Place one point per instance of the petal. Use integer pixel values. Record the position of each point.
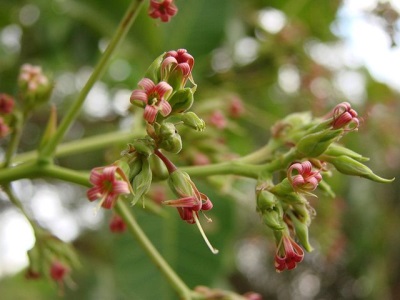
(139, 95)
(165, 108)
(183, 202)
(307, 167)
(185, 68)
(96, 177)
(150, 113)
(109, 173)
(147, 84)
(120, 187)
(109, 201)
(163, 88)
(94, 193)
(297, 180)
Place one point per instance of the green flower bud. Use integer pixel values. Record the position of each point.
(301, 231)
(338, 150)
(349, 166)
(189, 119)
(144, 147)
(153, 72)
(181, 100)
(168, 138)
(158, 168)
(34, 87)
(270, 209)
(180, 183)
(285, 192)
(313, 145)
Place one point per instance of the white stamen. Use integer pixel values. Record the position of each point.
(98, 206)
(213, 250)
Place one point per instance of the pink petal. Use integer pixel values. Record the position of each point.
(147, 84)
(163, 88)
(94, 193)
(139, 95)
(150, 113)
(120, 187)
(165, 108)
(307, 167)
(183, 202)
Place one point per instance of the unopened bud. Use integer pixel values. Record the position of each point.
(338, 150)
(35, 87)
(301, 232)
(181, 101)
(180, 183)
(169, 138)
(189, 119)
(313, 145)
(349, 166)
(270, 209)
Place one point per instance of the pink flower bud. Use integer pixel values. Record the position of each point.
(117, 225)
(164, 9)
(344, 115)
(236, 108)
(218, 120)
(58, 271)
(6, 104)
(306, 180)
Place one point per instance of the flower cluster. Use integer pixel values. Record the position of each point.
(51, 258)
(35, 87)
(313, 149)
(163, 95)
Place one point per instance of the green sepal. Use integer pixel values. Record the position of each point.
(338, 150)
(181, 100)
(270, 209)
(189, 119)
(169, 138)
(158, 168)
(144, 147)
(315, 144)
(301, 231)
(153, 72)
(142, 182)
(180, 183)
(349, 166)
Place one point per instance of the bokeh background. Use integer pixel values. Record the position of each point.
(276, 57)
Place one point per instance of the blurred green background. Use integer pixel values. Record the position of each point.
(277, 57)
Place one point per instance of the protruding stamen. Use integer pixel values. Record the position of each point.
(213, 250)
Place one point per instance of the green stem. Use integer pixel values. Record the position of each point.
(225, 168)
(15, 138)
(14, 200)
(53, 171)
(261, 155)
(175, 281)
(74, 110)
(84, 145)
(168, 164)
